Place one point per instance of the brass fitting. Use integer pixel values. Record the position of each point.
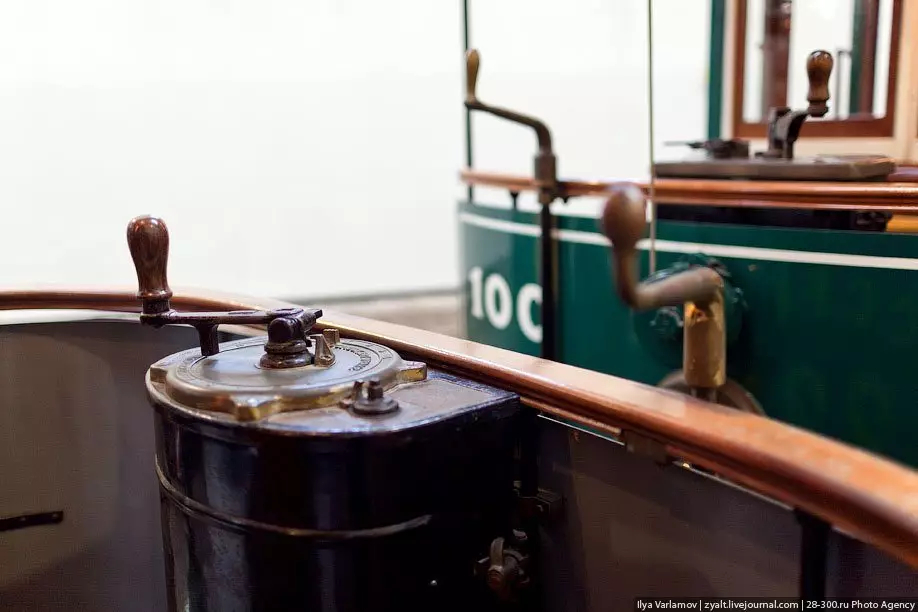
(701, 290)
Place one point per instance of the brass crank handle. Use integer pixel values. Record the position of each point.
(472, 64)
(148, 241)
(623, 223)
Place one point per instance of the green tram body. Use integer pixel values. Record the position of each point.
(824, 341)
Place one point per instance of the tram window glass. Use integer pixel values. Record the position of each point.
(772, 41)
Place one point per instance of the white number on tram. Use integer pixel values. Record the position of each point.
(492, 300)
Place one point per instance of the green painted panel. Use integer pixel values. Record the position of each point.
(716, 68)
(859, 24)
(496, 267)
(826, 342)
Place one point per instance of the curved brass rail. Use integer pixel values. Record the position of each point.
(901, 197)
(874, 499)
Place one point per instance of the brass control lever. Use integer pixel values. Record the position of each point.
(700, 289)
(546, 178)
(288, 328)
(545, 162)
(784, 124)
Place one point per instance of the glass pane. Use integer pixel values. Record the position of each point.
(779, 36)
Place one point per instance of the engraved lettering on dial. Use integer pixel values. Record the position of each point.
(362, 365)
(235, 368)
(363, 356)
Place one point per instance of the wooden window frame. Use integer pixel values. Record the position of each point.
(852, 127)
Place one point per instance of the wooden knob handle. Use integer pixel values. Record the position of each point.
(472, 62)
(818, 69)
(623, 223)
(623, 218)
(148, 240)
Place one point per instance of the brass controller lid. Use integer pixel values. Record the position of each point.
(254, 378)
(234, 383)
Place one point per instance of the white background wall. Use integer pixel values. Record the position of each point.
(829, 25)
(330, 133)
(582, 67)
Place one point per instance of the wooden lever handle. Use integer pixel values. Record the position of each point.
(818, 70)
(623, 218)
(472, 63)
(148, 241)
(545, 168)
(623, 222)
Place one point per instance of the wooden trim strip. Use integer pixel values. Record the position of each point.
(872, 498)
(889, 196)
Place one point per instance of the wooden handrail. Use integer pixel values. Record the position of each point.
(874, 499)
(899, 197)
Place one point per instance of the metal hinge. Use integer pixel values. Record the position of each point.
(544, 507)
(640, 444)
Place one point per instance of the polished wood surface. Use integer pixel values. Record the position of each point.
(885, 195)
(874, 499)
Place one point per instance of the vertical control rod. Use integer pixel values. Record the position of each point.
(545, 173)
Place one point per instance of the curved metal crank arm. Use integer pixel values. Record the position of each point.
(700, 289)
(232, 317)
(784, 124)
(623, 223)
(148, 241)
(545, 162)
(472, 65)
(206, 323)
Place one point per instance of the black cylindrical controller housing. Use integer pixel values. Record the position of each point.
(327, 509)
